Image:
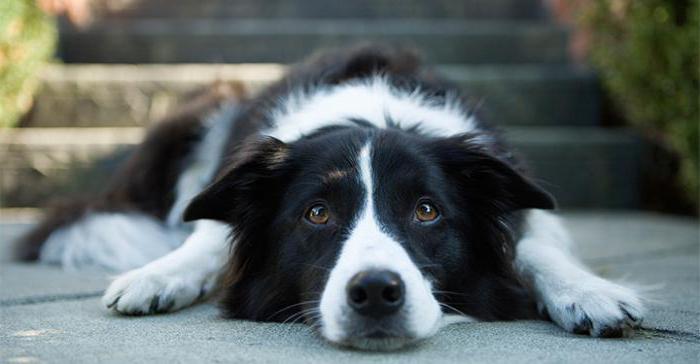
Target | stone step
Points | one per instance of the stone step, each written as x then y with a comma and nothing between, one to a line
584,167
289,40
310,9
133,95
40,164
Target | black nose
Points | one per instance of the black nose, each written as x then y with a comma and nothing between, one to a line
375,293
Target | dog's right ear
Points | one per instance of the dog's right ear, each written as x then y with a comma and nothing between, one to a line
487,180
244,186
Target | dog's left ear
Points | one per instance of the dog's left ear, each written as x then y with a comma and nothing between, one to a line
484,177
252,179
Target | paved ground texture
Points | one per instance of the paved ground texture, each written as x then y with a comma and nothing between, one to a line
48,315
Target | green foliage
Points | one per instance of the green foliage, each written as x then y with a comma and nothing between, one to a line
647,53
27,41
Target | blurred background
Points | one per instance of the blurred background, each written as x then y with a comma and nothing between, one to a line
601,96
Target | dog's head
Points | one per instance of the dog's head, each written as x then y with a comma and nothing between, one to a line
368,234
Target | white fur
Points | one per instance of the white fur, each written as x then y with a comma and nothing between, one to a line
112,241
203,163
368,247
176,280
371,99
567,290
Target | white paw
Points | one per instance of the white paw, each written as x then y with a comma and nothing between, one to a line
594,306
143,292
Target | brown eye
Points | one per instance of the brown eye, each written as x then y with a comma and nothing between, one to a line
318,214
426,212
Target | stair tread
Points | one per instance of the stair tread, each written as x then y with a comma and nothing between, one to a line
203,26
97,94
289,40
194,72
320,8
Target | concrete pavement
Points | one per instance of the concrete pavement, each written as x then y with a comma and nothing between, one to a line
48,315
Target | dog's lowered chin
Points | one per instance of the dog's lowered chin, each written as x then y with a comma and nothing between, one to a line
377,336
379,344
385,337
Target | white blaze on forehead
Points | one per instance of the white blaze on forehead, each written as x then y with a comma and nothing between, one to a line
372,99
368,247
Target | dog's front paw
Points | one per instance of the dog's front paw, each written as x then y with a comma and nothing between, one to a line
596,307
142,292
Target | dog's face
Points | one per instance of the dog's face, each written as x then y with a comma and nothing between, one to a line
367,234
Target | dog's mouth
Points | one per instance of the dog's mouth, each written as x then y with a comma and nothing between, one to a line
379,334
373,335
379,340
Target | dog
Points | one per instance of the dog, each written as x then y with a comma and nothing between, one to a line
360,194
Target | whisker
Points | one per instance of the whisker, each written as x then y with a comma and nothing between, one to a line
428,266
314,314
451,293
292,318
291,306
452,308
318,267
299,315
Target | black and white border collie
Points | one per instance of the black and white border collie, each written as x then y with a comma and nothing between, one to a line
358,194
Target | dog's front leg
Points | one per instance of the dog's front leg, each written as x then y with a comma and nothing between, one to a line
175,280
576,299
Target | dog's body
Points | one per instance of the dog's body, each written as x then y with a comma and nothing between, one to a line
358,194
